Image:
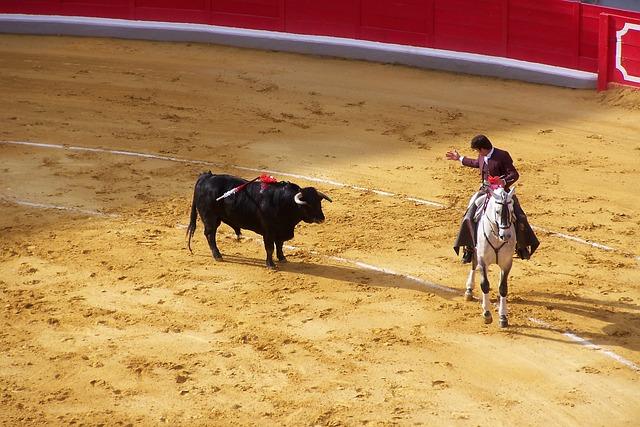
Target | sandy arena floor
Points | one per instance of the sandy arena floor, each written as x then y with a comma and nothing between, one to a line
108,320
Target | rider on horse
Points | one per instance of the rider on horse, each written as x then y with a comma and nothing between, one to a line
492,162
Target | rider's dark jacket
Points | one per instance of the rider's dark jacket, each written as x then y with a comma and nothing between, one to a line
499,164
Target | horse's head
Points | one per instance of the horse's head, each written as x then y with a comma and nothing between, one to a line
500,211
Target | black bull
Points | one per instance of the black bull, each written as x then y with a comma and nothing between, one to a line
271,210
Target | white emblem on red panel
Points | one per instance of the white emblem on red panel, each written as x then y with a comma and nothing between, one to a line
619,34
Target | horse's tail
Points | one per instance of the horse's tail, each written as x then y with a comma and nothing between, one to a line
194,211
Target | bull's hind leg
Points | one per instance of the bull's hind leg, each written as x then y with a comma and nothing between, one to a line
502,311
486,302
210,230
279,252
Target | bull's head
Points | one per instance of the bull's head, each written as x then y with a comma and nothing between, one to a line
309,200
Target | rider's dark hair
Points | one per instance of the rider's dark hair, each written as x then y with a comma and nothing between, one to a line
481,141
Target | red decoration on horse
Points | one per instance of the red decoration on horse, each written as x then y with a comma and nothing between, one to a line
495,180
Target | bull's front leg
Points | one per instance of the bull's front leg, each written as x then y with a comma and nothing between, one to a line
279,252
268,246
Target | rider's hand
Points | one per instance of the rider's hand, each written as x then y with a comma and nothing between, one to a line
453,155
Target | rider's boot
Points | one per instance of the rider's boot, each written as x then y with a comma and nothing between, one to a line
468,220
467,255
521,241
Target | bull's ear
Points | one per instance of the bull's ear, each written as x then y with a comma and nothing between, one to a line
324,196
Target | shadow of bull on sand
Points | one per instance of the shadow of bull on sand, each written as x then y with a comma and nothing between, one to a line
352,274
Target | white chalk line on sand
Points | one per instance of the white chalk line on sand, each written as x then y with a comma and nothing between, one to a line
220,165
588,344
60,208
585,242
576,239
304,177
364,266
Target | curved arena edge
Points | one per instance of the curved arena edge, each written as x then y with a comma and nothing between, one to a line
436,59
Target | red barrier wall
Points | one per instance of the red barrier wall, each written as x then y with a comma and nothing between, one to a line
619,51
481,28
254,14
564,33
396,21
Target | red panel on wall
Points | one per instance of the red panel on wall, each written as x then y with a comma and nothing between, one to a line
477,27
192,11
270,8
619,47
627,52
96,2
44,7
588,47
589,29
338,18
97,8
172,15
256,14
544,31
397,21
173,4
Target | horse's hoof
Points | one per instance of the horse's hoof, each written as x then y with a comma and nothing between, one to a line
283,259
217,257
504,322
487,317
468,296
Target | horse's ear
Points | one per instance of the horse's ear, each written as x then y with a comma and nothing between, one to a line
512,191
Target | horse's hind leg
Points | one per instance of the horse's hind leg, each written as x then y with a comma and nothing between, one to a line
468,293
486,302
502,311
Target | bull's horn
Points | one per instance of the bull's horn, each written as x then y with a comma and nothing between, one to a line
324,196
298,199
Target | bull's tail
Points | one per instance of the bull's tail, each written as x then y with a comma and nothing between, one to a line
194,212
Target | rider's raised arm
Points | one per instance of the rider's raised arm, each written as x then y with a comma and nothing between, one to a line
468,161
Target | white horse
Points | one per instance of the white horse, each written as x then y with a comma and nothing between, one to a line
496,242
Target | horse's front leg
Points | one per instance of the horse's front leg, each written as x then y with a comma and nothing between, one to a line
471,279
484,285
502,311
